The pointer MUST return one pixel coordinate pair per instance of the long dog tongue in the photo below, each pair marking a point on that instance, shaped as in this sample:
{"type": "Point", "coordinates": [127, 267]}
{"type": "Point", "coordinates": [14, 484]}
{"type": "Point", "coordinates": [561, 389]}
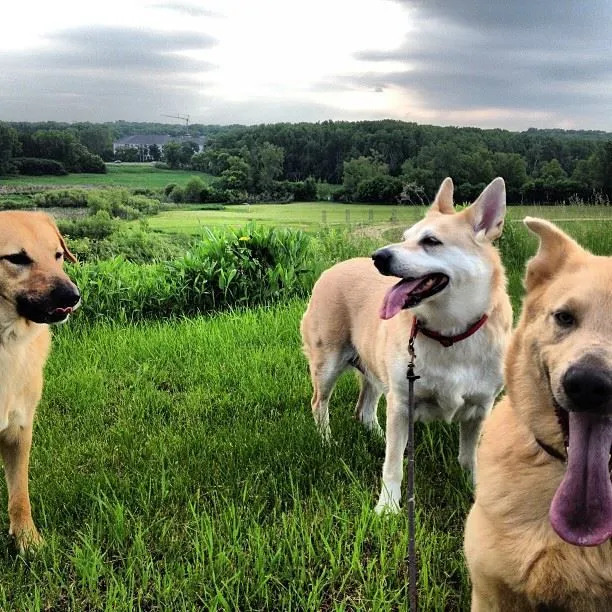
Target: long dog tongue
{"type": "Point", "coordinates": [396, 297]}
{"type": "Point", "coordinates": [581, 510]}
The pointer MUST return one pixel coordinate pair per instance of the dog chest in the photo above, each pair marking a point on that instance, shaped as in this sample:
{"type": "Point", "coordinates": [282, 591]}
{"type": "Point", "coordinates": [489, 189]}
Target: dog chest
{"type": "Point", "coordinates": [455, 384]}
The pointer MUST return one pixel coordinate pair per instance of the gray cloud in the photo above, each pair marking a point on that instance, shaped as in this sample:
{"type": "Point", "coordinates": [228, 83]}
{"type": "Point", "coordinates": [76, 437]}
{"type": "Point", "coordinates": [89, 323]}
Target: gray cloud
{"type": "Point", "coordinates": [551, 56]}
{"type": "Point", "coordinates": [103, 72]}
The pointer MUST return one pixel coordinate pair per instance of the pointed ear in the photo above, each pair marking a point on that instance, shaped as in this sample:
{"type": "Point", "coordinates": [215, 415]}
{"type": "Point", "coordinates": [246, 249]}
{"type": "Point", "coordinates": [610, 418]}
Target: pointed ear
{"type": "Point", "coordinates": [487, 213]}
{"type": "Point", "coordinates": [556, 248]}
{"type": "Point", "coordinates": [444, 198]}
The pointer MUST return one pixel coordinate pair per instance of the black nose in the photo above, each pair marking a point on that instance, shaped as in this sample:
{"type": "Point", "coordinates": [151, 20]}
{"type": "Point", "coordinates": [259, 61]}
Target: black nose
{"type": "Point", "coordinates": [588, 387]}
{"type": "Point", "coordinates": [64, 295]}
{"type": "Point", "coordinates": [382, 260]}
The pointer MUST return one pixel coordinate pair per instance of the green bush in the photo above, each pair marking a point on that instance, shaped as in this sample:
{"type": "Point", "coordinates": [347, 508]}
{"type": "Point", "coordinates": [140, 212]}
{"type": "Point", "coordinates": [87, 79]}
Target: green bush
{"type": "Point", "coordinates": [10, 204]}
{"type": "Point", "coordinates": [134, 245]}
{"type": "Point", "coordinates": [99, 225]}
{"type": "Point", "coordinates": [34, 166]}
{"type": "Point", "coordinates": [62, 198]}
{"type": "Point", "coordinates": [225, 270]}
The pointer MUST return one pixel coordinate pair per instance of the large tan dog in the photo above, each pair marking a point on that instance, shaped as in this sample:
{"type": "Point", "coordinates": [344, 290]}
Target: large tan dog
{"type": "Point", "coordinates": [538, 535]}
{"type": "Point", "coordinates": [34, 291]}
{"type": "Point", "coordinates": [451, 278]}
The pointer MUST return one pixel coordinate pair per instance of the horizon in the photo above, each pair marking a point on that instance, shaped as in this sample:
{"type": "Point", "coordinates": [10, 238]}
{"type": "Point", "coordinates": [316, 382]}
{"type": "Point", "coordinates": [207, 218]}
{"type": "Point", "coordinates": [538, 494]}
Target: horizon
{"type": "Point", "coordinates": [488, 65]}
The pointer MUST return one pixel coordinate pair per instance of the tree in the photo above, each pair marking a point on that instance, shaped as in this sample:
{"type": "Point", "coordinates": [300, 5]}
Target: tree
{"type": "Point", "coordinates": [361, 169]}
{"type": "Point", "coordinates": [270, 160]}
{"type": "Point", "coordinates": [9, 147]}
{"type": "Point", "coordinates": [172, 154]}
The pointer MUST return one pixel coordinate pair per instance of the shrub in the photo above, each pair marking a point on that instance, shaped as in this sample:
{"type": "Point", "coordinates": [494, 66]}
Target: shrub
{"type": "Point", "coordinates": [35, 166]}
{"type": "Point", "coordinates": [225, 270]}
{"type": "Point", "coordinates": [379, 189]}
{"type": "Point", "coordinates": [10, 204]}
{"type": "Point", "coordinates": [169, 188]}
{"type": "Point", "coordinates": [99, 225]}
{"type": "Point", "coordinates": [62, 198]}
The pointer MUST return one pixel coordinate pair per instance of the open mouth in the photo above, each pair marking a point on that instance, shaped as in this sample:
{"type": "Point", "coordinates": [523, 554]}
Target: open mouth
{"type": "Point", "coordinates": [410, 292]}
{"type": "Point", "coordinates": [581, 510]}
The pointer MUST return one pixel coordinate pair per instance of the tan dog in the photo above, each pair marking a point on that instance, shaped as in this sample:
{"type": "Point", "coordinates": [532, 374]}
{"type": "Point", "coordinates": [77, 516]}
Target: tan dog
{"type": "Point", "coordinates": [538, 535]}
{"type": "Point", "coordinates": [451, 276]}
{"type": "Point", "coordinates": [34, 291]}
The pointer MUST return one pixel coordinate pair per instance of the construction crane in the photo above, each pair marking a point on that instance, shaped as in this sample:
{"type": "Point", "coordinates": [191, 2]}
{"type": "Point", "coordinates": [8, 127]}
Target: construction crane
{"type": "Point", "coordinates": [184, 118]}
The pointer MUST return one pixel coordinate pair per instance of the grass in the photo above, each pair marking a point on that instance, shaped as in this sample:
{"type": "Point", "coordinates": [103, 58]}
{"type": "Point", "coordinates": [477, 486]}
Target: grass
{"type": "Point", "coordinates": [176, 466]}
{"type": "Point", "coordinates": [118, 175]}
{"type": "Point", "coordinates": [311, 216]}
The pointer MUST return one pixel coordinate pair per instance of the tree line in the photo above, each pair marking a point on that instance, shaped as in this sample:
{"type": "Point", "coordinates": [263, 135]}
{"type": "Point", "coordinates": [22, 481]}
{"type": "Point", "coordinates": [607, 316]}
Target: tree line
{"type": "Point", "coordinates": [373, 160]}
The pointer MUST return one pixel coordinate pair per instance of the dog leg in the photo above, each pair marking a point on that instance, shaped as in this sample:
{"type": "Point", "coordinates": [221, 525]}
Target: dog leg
{"type": "Point", "coordinates": [367, 405]}
{"type": "Point", "coordinates": [324, 371]}
{"type": "Point", "coordinates": [469, 432]}
{"type": "Point", "coordinates": [15, 451]}
{"type": "Point", "coordinates": [393, 468]}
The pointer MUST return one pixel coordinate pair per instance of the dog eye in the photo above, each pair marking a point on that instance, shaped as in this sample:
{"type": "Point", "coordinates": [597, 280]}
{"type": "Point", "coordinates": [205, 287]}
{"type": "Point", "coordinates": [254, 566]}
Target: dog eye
{"type": "Point", "coordinates": [429, 241]}
{"type": "Point", "coordinates": [564, 318]}
{"type": "Point", "coordinates": [59, 255]}
{"type": "Point", "coordinates": [18, 259]}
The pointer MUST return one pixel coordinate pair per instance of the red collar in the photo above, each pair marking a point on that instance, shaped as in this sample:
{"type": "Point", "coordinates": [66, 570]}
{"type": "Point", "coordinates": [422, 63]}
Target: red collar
{"type": "Point", "coordinates": [446, 341]}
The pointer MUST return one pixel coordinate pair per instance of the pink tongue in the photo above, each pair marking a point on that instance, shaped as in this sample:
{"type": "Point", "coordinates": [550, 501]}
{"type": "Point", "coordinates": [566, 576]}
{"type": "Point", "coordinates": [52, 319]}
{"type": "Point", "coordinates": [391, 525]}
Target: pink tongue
{"type": "Point", "coordinates": [396, 297]}
{"type": "Point", "coordinates": [581, 510]}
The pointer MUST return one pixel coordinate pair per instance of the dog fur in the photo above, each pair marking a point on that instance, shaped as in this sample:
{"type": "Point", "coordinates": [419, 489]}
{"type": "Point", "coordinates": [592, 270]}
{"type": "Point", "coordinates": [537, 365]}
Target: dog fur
{"type": "Point", "coordinates": [32, 286]}
{"type": "Point", "coordinates": [343, 327]}
{"type": "Point", "coordinates": [517, 560]}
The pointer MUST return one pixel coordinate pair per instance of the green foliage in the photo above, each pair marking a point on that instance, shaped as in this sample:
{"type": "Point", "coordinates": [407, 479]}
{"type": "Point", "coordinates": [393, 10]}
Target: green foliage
{"type": "Point", "coordinates": [138, 245]}
{"type": "Point", "coordinates": [34, 166]}
{"type": "Point", "coordinates": [359, 170]}
{"type": "Point", "coordinates": [379, 189]}
{"type": "Point", "coordinates": [225, 270]}
{"type": "Point", "coordinates": [62, 198]}
{"type": "Point", "coordinates": [98, 226]}
{"type": "Point", "coordinates": [9, 147]}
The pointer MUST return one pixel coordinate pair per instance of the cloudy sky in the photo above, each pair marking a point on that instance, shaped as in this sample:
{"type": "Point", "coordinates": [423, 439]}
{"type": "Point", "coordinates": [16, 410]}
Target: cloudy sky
{"type": "Point", "coordinates": [488, 63]}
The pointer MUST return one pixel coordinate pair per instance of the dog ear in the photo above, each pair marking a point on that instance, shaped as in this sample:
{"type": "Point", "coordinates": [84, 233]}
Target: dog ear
{"type": "Point", "coordinates": [443, 202]}
{"type": "Point", "coordinates": [487, 213]}
{"type": "Point", "coordinates": [555, 249]}
{"type": "Point", "coordinates": [67, 253]}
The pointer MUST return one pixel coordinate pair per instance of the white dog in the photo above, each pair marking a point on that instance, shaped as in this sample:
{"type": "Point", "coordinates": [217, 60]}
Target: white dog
{"type": "Point", "coordinates": [453, 282]}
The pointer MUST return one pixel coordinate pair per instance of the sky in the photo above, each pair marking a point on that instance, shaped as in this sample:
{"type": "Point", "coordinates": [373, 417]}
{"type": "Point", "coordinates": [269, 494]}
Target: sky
{"type": "Point", "coordinates": [511, 64]}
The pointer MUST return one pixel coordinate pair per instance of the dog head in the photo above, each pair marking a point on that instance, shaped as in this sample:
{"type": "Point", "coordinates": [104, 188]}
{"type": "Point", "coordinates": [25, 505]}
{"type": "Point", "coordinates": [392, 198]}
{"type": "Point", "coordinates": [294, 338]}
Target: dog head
{"type": "Point", "coordinates": [559, 376]}
{"type": "Point", "coordinates": [33, 284]}
{"type": "Point", "coordinates": [447, 257]}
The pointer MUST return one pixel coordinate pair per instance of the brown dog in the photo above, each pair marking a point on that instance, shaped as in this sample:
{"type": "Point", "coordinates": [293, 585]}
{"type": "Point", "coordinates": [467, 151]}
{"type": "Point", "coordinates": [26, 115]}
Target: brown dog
{"type": "Point", "coordinates": [538, 535]}
{"type": "Point", "coordinates": [34, 291]}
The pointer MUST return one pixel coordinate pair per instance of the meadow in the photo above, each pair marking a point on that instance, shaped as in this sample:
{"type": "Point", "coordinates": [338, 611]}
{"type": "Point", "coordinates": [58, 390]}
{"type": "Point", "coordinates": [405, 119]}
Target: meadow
{"type": "Point", "coordinates": [175, 463]}
{"type": "Point", "coordinates": [118, 175]}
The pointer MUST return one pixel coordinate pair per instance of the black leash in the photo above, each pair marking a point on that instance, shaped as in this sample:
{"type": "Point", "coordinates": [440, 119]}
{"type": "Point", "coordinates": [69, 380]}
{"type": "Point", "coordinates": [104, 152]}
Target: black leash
{"type": "Point", "coordinates": [412, 564]}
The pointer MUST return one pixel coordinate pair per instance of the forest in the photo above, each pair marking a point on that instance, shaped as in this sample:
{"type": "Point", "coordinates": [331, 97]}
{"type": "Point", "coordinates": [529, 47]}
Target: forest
{"type": "Point", "coordinates": [373, 161]}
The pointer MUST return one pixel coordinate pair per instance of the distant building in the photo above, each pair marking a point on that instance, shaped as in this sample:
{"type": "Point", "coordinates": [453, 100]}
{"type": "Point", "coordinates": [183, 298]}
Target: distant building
{"type": "Point", "coordinates": [143, 142]}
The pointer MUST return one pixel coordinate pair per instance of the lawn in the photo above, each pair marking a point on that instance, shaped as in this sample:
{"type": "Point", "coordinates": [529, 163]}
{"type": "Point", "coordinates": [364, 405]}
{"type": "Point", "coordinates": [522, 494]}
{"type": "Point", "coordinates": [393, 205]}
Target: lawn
{"type": "Point", "coordinates": [176, 466]}
{"type": "Point", "coordinates": [311, 216]}
{"type": "Point", "coordinates": [134, 175]}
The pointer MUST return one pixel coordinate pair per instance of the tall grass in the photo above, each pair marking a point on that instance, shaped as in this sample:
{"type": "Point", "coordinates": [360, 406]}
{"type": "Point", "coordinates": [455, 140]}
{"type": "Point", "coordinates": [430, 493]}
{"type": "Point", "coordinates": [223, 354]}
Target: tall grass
{"type": "Point", "coordinates": [177, 466]}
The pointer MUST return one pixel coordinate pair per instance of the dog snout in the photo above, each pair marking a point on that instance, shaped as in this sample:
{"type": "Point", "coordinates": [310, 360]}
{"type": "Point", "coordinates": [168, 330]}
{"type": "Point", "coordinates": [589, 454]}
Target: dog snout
{"type": "Point", "coordinates": [588, 386]}
{"type": "Point", "coordinates": [64, 294]}
{"type": "Point", "coordinates": [382, 260]}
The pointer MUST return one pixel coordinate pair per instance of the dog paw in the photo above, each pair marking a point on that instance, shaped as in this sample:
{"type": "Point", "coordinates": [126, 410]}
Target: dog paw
{"type": "Point", "coordinates": [27, 538]}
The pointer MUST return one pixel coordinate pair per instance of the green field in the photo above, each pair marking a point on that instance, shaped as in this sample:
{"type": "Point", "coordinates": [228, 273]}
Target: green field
{"type": "Point", "coordinates": [118, 175]}
{"type": "Point", "coordinates": [311, 216]}
{"type": "Point", "coordinates": [176, 466]}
